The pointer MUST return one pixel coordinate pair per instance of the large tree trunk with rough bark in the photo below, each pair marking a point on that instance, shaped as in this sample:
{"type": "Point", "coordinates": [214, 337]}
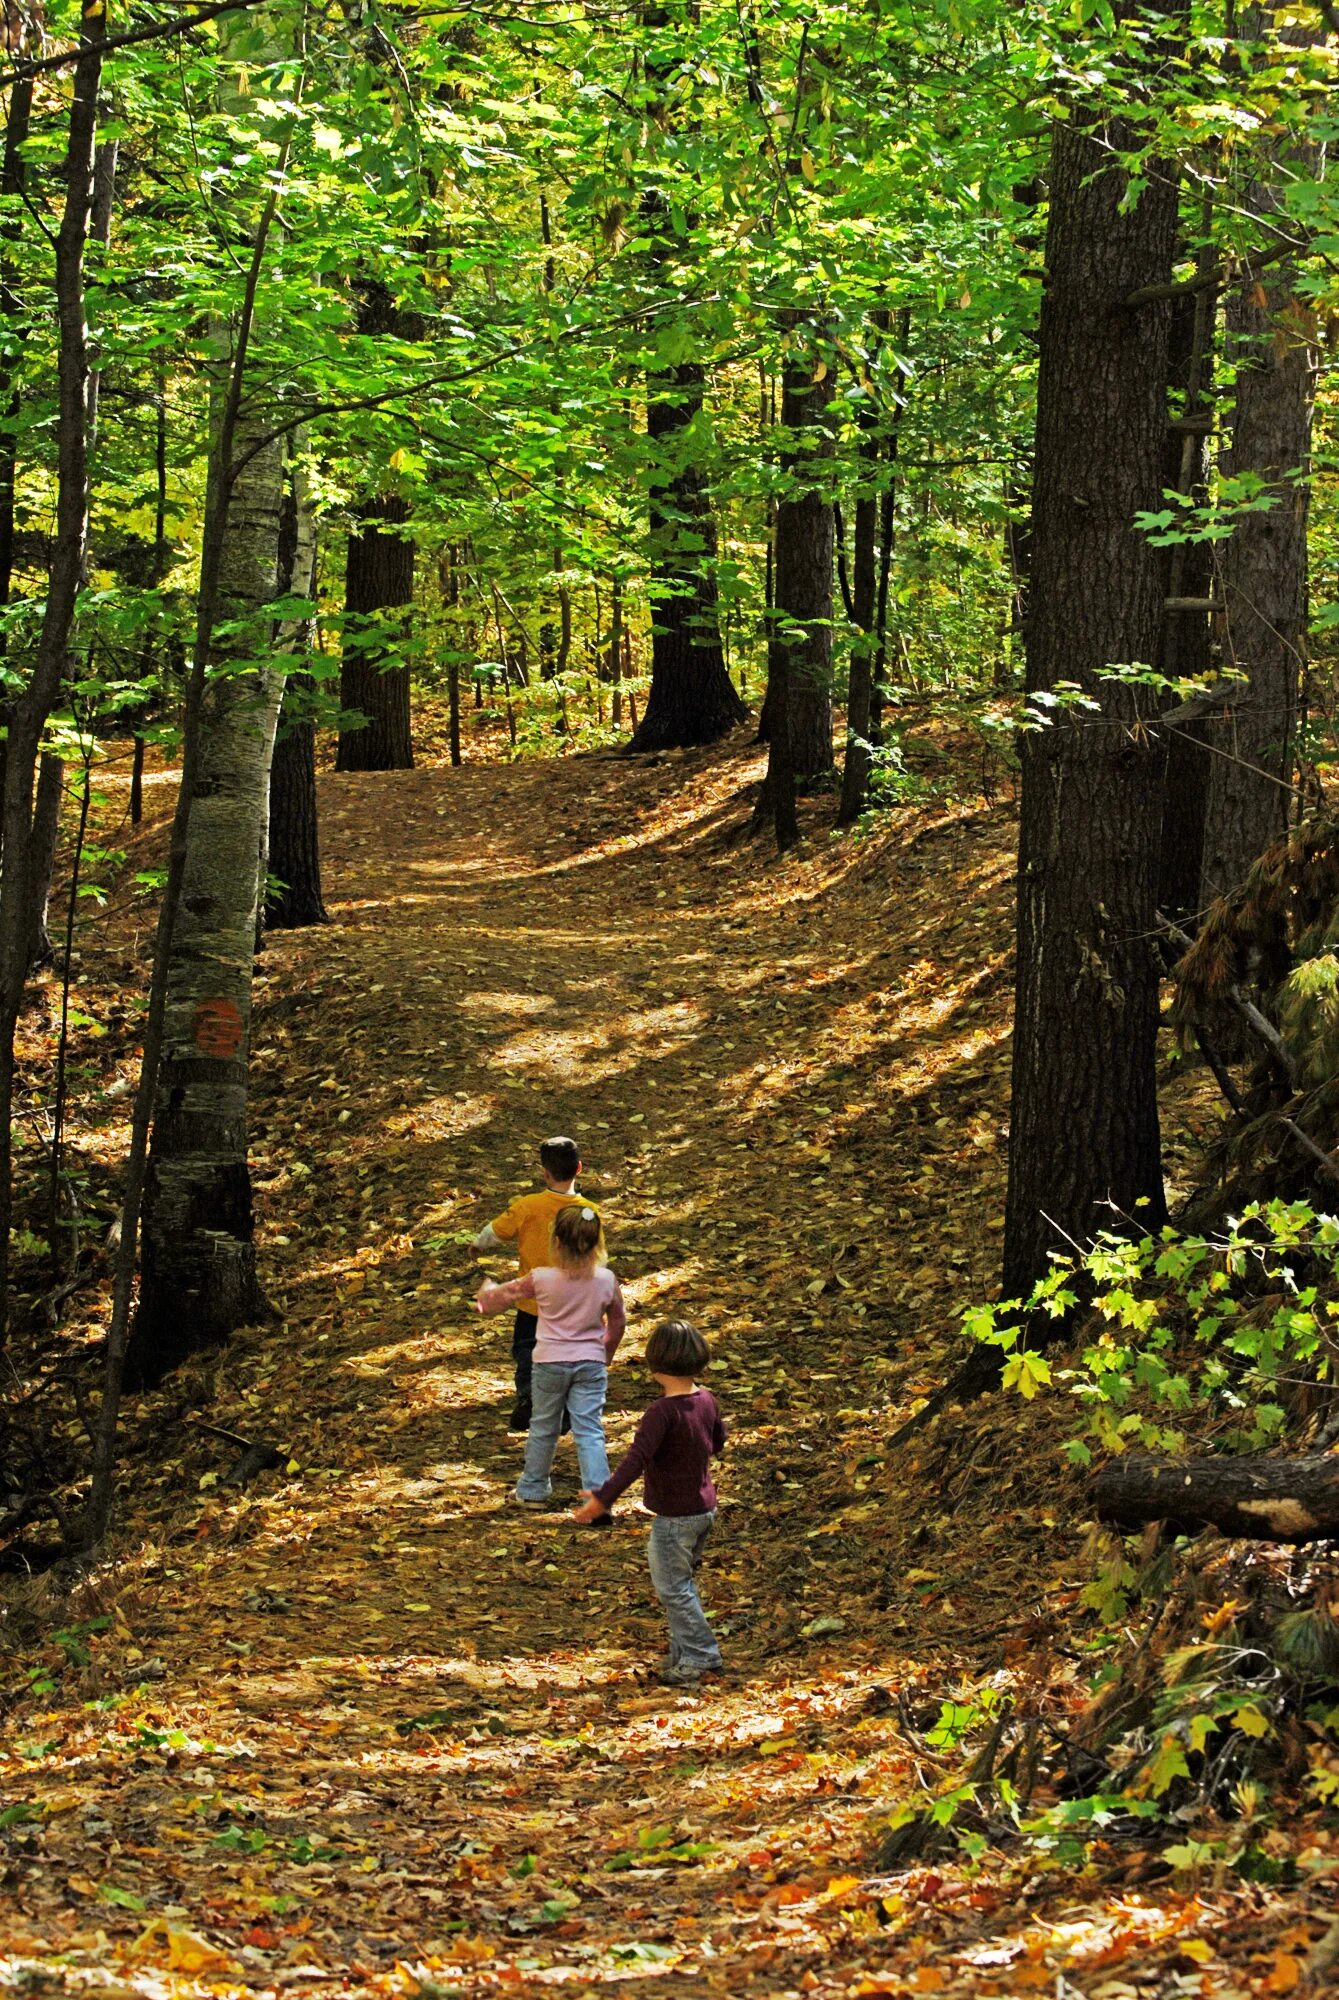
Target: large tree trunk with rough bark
{"type": "Point", "coordinates": [1270, 338]}
{"type": "Point", "coordinates": [1084, 1129]}
{"type": "Point", "coordinates": [295, 847]}
{"type": "Point", "coordinates": [379, 589]}
{"type": "Point", "coordinates": [691, 699]}
{"type": "Point", "coordinates": [1187, 639]}
{"type": "Point", "coordinates": [198, 1279]}
{"type": "Point", "coordinates": [1269, 1499]}
{"type": "Point", "coordinates": [198, 1274]}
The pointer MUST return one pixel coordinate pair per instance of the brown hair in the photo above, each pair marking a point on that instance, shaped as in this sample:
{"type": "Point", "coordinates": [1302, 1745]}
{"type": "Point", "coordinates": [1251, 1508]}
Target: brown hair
{"type": "Point", "coordinates": [576, 1236]}
{"type": "Point", "coordinates": [676, 1348]}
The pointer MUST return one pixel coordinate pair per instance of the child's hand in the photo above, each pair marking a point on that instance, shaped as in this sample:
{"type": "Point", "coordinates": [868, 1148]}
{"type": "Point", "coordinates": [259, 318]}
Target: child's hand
{"type": "Point", "coordinates": [479, 1296]}
{"type": "Point", "coordinates": [589, 1510]}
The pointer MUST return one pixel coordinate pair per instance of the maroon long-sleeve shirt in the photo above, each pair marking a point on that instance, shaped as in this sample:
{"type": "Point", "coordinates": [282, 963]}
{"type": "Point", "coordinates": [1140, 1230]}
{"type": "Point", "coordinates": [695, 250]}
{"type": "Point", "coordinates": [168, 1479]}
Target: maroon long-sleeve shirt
{"type": "Point", "coordinates": [672, 1450]}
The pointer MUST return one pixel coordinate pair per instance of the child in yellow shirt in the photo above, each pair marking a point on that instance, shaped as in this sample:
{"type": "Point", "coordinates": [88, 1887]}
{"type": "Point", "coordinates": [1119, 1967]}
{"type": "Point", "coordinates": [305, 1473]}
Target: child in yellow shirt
{"type": "Point", "coordinates": [528, 1223]}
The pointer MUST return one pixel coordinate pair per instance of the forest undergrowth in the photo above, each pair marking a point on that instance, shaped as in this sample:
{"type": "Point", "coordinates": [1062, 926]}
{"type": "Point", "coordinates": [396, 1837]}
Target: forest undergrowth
{"type": "Point", "coordinates": [360, 1726]}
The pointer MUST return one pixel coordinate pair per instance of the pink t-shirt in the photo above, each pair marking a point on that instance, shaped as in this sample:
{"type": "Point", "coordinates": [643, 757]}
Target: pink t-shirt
{"type": "Point", "coordinates": [580, 1319]}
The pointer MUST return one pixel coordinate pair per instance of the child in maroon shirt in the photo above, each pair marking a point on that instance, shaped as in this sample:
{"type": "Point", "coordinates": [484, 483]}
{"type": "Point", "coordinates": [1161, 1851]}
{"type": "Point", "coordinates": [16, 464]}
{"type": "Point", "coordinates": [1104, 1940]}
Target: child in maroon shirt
{"type": "Point", "coordinates": [673, 1448]}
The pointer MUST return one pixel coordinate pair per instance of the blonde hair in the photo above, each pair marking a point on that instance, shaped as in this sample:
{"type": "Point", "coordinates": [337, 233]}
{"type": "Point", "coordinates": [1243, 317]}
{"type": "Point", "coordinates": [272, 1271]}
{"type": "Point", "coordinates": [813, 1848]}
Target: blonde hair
{"type": "Point", "coordinates": [577, 1239]}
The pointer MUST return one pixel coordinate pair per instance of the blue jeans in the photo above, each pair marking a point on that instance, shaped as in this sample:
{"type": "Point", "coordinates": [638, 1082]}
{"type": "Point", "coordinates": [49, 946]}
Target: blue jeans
{"type": "Point", "coordinates": [674, 1550]}
{"type": "Point", "coordinates": [577, 1387]}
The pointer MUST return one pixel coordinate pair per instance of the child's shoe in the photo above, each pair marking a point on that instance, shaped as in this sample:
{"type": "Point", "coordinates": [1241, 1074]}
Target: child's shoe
{"type": "Point", "coordinates": [676, 1676]}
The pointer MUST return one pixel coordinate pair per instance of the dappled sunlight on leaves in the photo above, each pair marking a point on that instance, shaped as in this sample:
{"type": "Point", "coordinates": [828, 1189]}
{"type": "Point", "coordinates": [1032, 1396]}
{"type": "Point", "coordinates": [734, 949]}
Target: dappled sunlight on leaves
{"type": "Point", "coordinates": [365, 1726]}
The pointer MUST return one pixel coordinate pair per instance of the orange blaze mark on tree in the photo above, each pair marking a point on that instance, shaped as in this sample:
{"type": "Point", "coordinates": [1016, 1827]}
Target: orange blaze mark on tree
{"type": "Point", "coordinates": [218, 1028]}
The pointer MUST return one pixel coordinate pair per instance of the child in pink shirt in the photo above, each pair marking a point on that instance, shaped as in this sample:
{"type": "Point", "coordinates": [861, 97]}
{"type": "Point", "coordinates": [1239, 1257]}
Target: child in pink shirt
{"type": "Point", "coordinates": [581, 1321]}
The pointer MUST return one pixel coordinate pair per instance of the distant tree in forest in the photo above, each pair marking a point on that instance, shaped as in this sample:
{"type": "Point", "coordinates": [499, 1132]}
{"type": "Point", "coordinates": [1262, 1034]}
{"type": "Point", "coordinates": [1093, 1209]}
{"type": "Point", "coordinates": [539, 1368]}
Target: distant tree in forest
{"type": "Point", "coordinates": [293, 895]}
{"type": "Point", "coordinates": [799, 652]}
{"type": "Point", "coordinates": [692, 699]}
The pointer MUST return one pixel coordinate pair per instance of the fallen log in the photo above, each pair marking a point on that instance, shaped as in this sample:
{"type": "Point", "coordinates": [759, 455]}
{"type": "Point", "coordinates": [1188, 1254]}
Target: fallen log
{"type": "Point", "coordinates": [1269, 1499]}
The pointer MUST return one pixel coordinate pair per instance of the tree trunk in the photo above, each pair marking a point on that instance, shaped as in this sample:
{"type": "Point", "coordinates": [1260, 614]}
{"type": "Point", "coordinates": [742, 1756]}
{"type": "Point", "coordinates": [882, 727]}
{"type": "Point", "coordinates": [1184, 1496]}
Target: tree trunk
{"type": "Point", "coordinates": [1263, 567]}
{"type": "Point", "coordinates": [1262, 1497]}
{"type": "Point", "coordinates": [864, 613]}
{"type": "Point", "coordinates": [799, 653]}
{"type": "Point", "coordinates": [1084, 1129]}
{"type": "Point", "coordinates": [692, 699]}
{"type": "Point", "coordinates": [887, 536]}
{"type": "Point", "coordinates": [27, 714]}
{"type": "Point", "coordinates": [616, 656]}
{"type": "Point", "coordinates": [12, 180]}
{"type": "Point", "coordinates": [1187, 640]}
{"type": "Point", "coordinates": [449, 578]}
{"type": "Point", "coordinates": [294, 834]}
{"type": "Point", "coordinates": [379, 588]}
{"type": "Point", "coordinates": [199, 1263]}
{"type": "Point", "coordinates": [198, 1278]}
{"type": "Point", "coordinates": [44, 836]}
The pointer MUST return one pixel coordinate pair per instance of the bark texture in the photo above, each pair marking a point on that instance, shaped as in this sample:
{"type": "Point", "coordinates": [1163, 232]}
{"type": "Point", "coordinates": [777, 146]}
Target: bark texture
{"type": "Point", "coordinates": [26, 715]}
{"type": "Point", "coordinates": [692, 699]}
{"type": "Point", "coordinates": [1263, 570]}
{"type": "Point", "coordinates": [799, 652]}
{"type": "Point", "coordinates": [1187, 639]}
{"type": "Point", "coordinates": [295, 846]}
{"type": "Point", "coordinates": [1085, 1114]}
{"type": "Point", "coordinates": [864, 609]}
{"type": "Point", "coordinates": [43, 838]}
{"type": "Point", "coordinates": [1269, 1499]}
{"type": "Point", "coordinates": [198, 1278]}
{"type": "Point", "coordinates": [379, 589]}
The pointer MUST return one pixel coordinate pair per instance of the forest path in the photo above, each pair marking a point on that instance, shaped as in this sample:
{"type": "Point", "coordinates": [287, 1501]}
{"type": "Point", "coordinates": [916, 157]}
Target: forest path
{"type": "Point", "coordinates": [394, 1735]}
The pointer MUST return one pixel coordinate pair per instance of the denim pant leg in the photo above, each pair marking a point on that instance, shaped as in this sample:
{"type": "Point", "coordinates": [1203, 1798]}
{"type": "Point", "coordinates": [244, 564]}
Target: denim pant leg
{"type": "Point", "coordinates": [673, 1551]}
{"type": "Point", "coordinates": [522, 1352]}
{"type": "Point", "coordinates": [585, 1406]}
{"type": "Point", "coordinates": [548, 1392]}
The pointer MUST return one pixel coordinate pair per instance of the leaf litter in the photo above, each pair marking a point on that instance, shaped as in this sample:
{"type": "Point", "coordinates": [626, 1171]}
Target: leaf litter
{"type": "Point", "coordinates": [360, 1727]}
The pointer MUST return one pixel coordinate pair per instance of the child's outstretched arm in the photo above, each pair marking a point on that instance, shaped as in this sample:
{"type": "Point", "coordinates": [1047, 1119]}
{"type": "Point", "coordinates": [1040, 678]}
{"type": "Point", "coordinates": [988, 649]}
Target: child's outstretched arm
{"type": "Point", "coordinates": [615, 1324]}
{"type": "Point", "coordinates": [501, 1298]}
{"type": "Point", "coordinates": [650, 1433]}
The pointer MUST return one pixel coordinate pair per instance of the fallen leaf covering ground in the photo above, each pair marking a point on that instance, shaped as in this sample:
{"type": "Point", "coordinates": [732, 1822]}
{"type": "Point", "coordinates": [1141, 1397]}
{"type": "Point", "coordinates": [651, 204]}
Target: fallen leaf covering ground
{"type": "Point", "coordinates": [364, 1727]}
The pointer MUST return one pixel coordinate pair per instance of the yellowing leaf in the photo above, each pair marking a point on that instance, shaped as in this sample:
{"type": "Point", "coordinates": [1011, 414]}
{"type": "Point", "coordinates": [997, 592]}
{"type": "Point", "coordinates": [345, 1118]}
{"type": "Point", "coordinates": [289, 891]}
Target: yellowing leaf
{"type": "Point", "coordinates": [1286, 1974]}
{"type": "Point", "coordinates": [1250, 1721]}
{"type": "Point", "coordinates": [840, 1885]}
{"type": "Point", "coordinates": [187, 1951]}
{"type": "Point", "coordinates": [1201, 1729]}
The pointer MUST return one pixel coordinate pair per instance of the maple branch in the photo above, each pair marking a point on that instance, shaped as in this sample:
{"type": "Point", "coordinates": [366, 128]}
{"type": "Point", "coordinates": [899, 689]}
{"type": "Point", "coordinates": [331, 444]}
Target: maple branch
{"type": "Point", "coordinates": [439, 378]}
{"type": "Point", "coordinates": [1203, 281]}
